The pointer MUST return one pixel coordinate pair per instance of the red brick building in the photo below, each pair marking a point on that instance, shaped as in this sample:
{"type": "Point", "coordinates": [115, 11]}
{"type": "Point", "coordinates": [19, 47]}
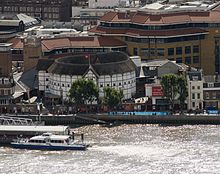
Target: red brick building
{"type": "Point", "coordinates": [51, 10]}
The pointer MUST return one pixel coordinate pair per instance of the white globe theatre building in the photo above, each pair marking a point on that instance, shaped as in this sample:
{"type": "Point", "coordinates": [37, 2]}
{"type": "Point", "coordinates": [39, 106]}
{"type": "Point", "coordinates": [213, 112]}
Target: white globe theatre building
{"type": "Point", "coordinates": [113, 69]}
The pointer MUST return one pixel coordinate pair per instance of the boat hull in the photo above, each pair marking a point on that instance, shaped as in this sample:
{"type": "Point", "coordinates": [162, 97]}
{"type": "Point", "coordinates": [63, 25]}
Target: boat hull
{"type": "Point", "coordinates": [48, 147]}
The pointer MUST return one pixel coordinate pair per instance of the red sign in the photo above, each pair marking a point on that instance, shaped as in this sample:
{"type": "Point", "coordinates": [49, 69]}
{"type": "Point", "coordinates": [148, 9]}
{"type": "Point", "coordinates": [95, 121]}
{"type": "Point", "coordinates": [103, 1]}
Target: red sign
{"type": "Point", "coordinates": [157, 91]}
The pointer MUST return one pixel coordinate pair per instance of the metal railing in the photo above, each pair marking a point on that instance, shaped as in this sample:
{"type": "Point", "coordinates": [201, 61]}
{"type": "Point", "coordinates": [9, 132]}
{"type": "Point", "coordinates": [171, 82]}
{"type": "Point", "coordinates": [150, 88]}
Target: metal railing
{"type": "Point", "coordinates": [6, 120]}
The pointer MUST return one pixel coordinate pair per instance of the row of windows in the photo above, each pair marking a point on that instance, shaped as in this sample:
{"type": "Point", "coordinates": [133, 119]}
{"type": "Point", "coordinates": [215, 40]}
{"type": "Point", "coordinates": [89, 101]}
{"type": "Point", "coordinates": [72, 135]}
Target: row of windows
{"type": "Point", "coordinates": [171, 52]}
{"type": "Point", "coordinates": [58, 84]}
{"type": "Point", "coordinates": [43, 141]}
{"type": "Point", "coordinates": [179, 50]}
{"type": "Point", "coordinates": [30, 9]}
{"type": "Point", "coordinates": [5, 92]}
{"type": "Point", "coordinates": [212, 95]}
{"type": "Point", "coordinates": [196, 94]}
{"type": "Point", "coordinates": [152, 51]}
{"type": "Point", "coordinates": [194, 87]}
{"type": "Point", "coordinates": [101, 85]}
{"type": "Point", "coordinates": [5, 81]}
{"type": "Point", "coordinates": [119, 84]}
{"type": "Point", "coordinates": [73, 50]}
{"type": "Point", "coordinates": [164, 40]}
{"type": "Point", "coordinates": [162, 27]}
{"type": "Point", "coordinates": [3, 102]}
{"type": "Point", "coordinates": [187, 60]}
{"type": "Point", "coordinates": [37, 141]}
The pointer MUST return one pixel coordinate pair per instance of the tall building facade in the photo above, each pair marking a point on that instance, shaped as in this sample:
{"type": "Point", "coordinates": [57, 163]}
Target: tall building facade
{"type": "Point", "coordinates": [52, 10]}
{"type": "Point", "coordinates": [32, 52]}
{"type": "Point", "coordinates": [186, 34]}
{"type": "Point", "coordinates": [6, 77]}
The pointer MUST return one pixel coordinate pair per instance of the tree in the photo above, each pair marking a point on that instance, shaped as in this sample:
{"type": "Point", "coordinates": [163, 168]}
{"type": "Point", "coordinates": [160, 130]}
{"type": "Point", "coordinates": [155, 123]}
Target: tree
{"type": "Point", "coordinates": [182, 90]}
{"type": "Point", "coordinates": [83, 91]}
{"type": "Point", "coordinates": [169, 84]}
{"type": "Point", "coordinates": [112, 97]}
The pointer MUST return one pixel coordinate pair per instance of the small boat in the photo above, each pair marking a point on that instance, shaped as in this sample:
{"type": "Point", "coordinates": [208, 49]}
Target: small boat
{"type": "Point", "coordinates": [49, 141]}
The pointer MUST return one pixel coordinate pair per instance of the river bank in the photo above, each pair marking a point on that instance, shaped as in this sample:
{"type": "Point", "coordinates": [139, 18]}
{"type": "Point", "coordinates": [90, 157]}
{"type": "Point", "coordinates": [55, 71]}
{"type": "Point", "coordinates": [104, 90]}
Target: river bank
{"type": "Point", "coordinates": [84, 119]}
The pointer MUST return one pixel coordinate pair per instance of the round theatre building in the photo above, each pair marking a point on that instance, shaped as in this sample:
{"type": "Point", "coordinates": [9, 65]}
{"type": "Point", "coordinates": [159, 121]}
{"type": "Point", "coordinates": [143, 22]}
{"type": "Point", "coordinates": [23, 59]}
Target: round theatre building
{"type": "Point", "coordinates": [113, 69]}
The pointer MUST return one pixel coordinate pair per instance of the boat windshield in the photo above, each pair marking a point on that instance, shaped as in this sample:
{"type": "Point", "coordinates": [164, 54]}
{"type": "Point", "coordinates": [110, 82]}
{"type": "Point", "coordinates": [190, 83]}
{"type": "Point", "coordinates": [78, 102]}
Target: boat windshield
{"type": "Point", "coordinates": [47, 134]}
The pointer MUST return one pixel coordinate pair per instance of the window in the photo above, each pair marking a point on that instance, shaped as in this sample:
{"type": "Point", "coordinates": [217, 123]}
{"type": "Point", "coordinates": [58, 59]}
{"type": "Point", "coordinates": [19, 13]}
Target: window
{"type": "Point", "coordinates": [195, 59]}
{"type": "Point", "coordinates": [198, 96]}
{"type": "Point", "coordinates": [119, 84]}
{"type": "Point", "coordinates": [145, 51]}
{"type": "Point", "coordinates": [187, 49]}
{"type": "Point", "coordinates": [160, 52]}
{"type": "Point", "coordinates": [193, 104]}
{"type": "Point", "coordinates": [101, 85]}
{"type": "Point", "coordinates": [170, 51]}
{"type": "Point", "coordinates": [47, 79]}
{"type": "Point", "coordinates": [210, 85]}
{"type": "Point", "coordinates": [178, 50]}
{"type": "Point", "coordinates": [179, 60]}
{"type": "Point", "coordinates": [195, 48]}
{"type": "Point", "coordinates": [198, 87]}
{"type": "Point", "coordinates": [193, 95]}
{"type": "Point", "coordinates": [193, 87]}
{"type": "Point", "coordinates": [171, 59]}
{"type": "Point", "coordinates": [213, 95]}
{"type": "Point", "coordinates": [207, 95]}
{"type": "Point", "coordinates": [135, 51]}
{"type": "Point", "coordinates": [187, 60]}
{"type": "Point", "coordinates": [62, 85]}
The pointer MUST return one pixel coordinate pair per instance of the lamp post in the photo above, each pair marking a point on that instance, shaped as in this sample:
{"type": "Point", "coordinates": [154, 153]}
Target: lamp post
{"type": "Point", "coordinates": [190, 100]}
{"type": "Point", "coordinates": [61, 96]}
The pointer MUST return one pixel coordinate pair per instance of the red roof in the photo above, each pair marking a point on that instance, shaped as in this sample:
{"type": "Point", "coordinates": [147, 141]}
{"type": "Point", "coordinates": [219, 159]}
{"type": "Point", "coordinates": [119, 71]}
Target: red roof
{"type": "Point", "coordinates": [141, 17]}
{"type": "Point", "coordinates": [71, 42]}
{"type": "Point", "coordinates": [16, 43]}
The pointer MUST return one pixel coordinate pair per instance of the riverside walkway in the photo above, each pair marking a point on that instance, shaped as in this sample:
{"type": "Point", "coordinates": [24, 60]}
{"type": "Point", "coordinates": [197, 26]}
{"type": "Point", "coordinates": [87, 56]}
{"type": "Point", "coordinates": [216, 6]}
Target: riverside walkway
{"type": "Point", "coordinates": [106, 118]}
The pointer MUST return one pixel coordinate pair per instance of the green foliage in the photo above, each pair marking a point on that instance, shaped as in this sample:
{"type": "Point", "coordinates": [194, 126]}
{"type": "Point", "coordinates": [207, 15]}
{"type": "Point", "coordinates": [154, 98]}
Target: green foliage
{"type": "Point", "coordinates": [112, 97]}
{"type": "Point", "coordinates": [182, 90]}
{"type": "Point", "coordinates": [83, 90]}
{"type": "Point", "coordinates": [174, 85]}
{"type": "Point", "coordinates": [170, 88]}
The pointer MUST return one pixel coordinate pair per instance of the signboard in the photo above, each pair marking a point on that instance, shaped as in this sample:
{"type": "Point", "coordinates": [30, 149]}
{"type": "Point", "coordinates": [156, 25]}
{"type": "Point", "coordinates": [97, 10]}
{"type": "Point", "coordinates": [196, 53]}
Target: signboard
{"type": "Point", "coordinates": [157, 91]}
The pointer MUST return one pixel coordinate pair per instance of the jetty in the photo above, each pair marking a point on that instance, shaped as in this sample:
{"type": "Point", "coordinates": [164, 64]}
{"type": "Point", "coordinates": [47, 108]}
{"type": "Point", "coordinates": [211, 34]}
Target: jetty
{"type": "Point", "coordinates": [14, 127]}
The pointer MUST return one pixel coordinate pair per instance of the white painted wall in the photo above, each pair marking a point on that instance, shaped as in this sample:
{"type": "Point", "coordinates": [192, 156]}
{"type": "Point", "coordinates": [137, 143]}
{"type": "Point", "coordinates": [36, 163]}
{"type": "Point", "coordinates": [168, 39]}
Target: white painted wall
{"type": "Point", "coordinates": [194, 87]}
{"type": "Point", "coordinates": [103, 3]}
{"type": "Point", "coordinates": [58, 83]}
{"type": "Point", "coordinates": [76, 11]}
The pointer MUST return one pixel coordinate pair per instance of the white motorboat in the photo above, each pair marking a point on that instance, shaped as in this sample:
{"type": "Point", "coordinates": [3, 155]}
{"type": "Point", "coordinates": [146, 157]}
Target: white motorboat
{"type": "Point", "coordinates": [49, 141]}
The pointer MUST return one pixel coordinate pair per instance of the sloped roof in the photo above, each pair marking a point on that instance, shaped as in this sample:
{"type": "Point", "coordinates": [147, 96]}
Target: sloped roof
{"type": "Point", "coordinates": [71, 42]}
{"type": "Point", "coordinates": [143, 17]}
{"type": "Point", "coordinates": [102, 64]}
{"type": "Point", "coordinates": [44, 64]}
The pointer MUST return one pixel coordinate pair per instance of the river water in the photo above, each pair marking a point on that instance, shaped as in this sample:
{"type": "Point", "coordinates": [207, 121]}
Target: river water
{"type": "Point", "coordinates": [126, 149]}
